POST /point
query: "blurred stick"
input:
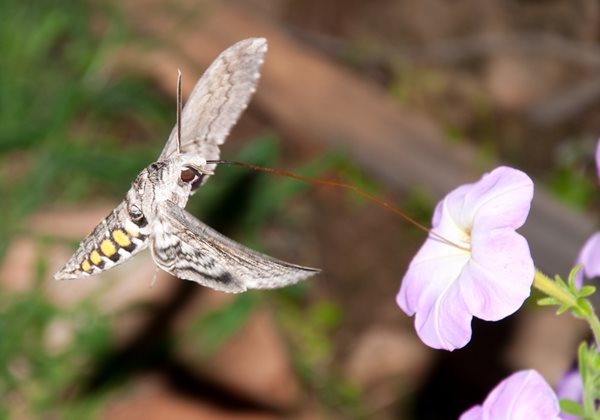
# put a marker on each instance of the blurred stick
(567, 104)
(531, 44)
(454, 51)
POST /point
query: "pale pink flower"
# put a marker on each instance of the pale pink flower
(524, 395)
(589, 255)
(570, 387)
(486, 272)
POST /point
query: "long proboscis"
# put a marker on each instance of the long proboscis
(339, 184)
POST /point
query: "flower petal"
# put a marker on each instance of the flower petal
(428, 289)
(498, 277)
(570, 387)
(589, 256)
(435, 266)
(501, 198)
(447, 323)
(524, 395)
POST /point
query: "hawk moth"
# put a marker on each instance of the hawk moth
(152, 213)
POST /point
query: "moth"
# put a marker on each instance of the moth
(152, 213)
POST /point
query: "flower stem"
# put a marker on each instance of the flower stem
(588, 399)
(549, 287)
(592, 319)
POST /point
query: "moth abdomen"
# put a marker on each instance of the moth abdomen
(114, 240)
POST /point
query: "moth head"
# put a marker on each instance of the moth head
(181, 175)
(172, 180)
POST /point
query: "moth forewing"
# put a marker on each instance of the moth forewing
(187, 248)
(218, 99)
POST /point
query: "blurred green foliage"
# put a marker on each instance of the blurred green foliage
(69, 131)
(307, 324)
(314, 355)
(573, 187)
(58, 140)
(55, 146)
(213, 329)
(570, 179)
(44, 349)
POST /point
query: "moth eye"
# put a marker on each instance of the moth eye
(135, 213)
(187, 175)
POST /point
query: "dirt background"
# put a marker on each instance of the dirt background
(420, 96)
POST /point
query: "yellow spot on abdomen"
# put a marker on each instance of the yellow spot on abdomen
(121, 238)
(85, 266)
(132, 228)
(107, 247)
(95, 257)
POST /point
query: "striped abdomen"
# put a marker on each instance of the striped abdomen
(116, 239)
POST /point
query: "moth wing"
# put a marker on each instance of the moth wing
(187, 248)
(218, 99)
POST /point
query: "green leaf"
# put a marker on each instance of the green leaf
(584, 308)
(548, 301)
(582, 359)
(560, 282)
(586, 291)
(573, 274)
(572, 407)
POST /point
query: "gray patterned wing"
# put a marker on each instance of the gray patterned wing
(187, 248)
(218, 99)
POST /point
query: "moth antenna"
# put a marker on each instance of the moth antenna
(179, 106)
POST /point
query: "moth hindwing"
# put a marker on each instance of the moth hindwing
(152, 213)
